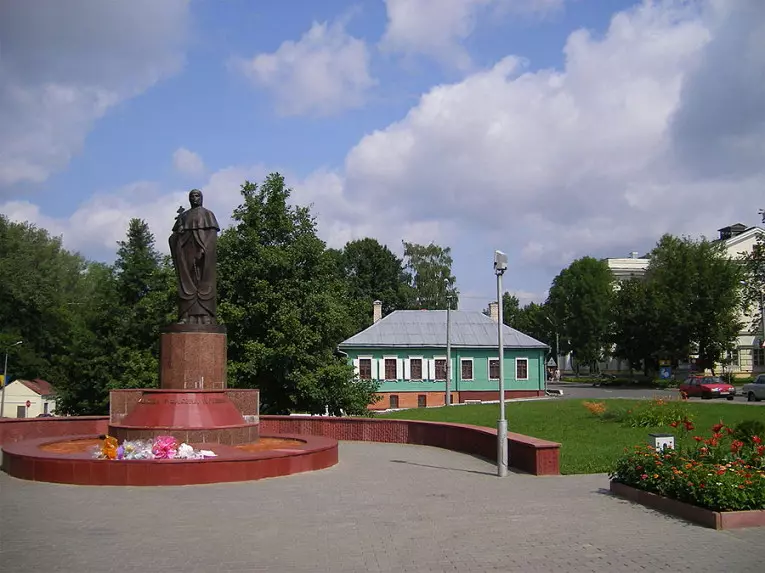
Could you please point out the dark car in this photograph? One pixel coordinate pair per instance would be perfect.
(707, 387)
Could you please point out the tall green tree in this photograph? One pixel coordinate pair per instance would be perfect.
(145, 285)
(285, 307)
(38, 291)
(698, 298)
(754, 285)
(635, 317)
(374, 272)
(535, 320)
(432, 282)
(511, 310)
(581, 298)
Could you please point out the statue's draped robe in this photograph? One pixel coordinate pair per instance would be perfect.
(193, 246)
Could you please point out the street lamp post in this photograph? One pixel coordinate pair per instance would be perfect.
(447, 394)
(5, 376)
(500, 266)
(557, 343)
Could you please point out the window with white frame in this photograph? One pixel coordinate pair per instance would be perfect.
(415, 368)
(733, 357)
(440, 368)
(466, 369)
(391, 372)
(493, 368)
(758, 356)
(365, 368)
(521, 368)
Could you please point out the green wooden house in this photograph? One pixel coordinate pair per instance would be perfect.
(406, 352)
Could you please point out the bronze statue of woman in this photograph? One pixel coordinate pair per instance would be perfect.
(193, 247)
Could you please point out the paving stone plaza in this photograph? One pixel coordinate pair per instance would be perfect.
(383, 508)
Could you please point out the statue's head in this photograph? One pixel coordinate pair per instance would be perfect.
(195, 198)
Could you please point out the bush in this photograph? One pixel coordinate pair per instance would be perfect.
(659, 412)
(721, 473)
(748, 428)
(649, 414)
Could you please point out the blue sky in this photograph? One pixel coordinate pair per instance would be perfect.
(550, 129)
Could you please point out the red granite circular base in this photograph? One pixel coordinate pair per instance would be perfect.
(68, 460)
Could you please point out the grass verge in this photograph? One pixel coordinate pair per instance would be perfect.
(589, 444)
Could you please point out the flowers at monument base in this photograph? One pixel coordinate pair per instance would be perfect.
(161, 448)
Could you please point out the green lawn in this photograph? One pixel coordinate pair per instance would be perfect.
(589, 445)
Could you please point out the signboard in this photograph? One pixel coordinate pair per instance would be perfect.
(665, 372)
(665, 363)
(29, 403)
(551, 362)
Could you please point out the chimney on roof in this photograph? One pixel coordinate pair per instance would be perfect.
(732, 231)
(494, 311)
(634, 255)
(376, 311)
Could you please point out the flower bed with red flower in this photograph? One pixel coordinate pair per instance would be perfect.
(720, 472)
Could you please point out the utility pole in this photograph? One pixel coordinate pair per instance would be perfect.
(447, 394)
(500, 266)
(5, 376)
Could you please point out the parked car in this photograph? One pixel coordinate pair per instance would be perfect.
(755, 391)
(707, 387)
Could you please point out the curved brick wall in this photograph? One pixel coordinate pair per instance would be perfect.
(532, 455)
(14, 429)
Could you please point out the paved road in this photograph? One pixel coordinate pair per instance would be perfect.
(384, 508)
(588, 391)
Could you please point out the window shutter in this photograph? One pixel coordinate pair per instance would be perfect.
(432, 369)
(373, 368)
(407, 369)
(399, 369)
(381, 369)
(356, 366)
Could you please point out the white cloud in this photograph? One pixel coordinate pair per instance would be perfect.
(436, 28)
(583, 160)
(64, 64)
(326, 71)
(188, 163)
(596, 158)
(97, 224)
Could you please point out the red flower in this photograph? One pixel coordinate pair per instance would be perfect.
(760, 450)
(644, 476)
(688, 425)
(673, 424)
(698, 438)
(717, 427)
(757, 439)
(730, 431)
(736, 446)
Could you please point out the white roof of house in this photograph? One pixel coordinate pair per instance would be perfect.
(427, 328)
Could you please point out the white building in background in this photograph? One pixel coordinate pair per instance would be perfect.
(738, 239)
(28, 399)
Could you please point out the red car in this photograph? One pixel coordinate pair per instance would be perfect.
(707, 387)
